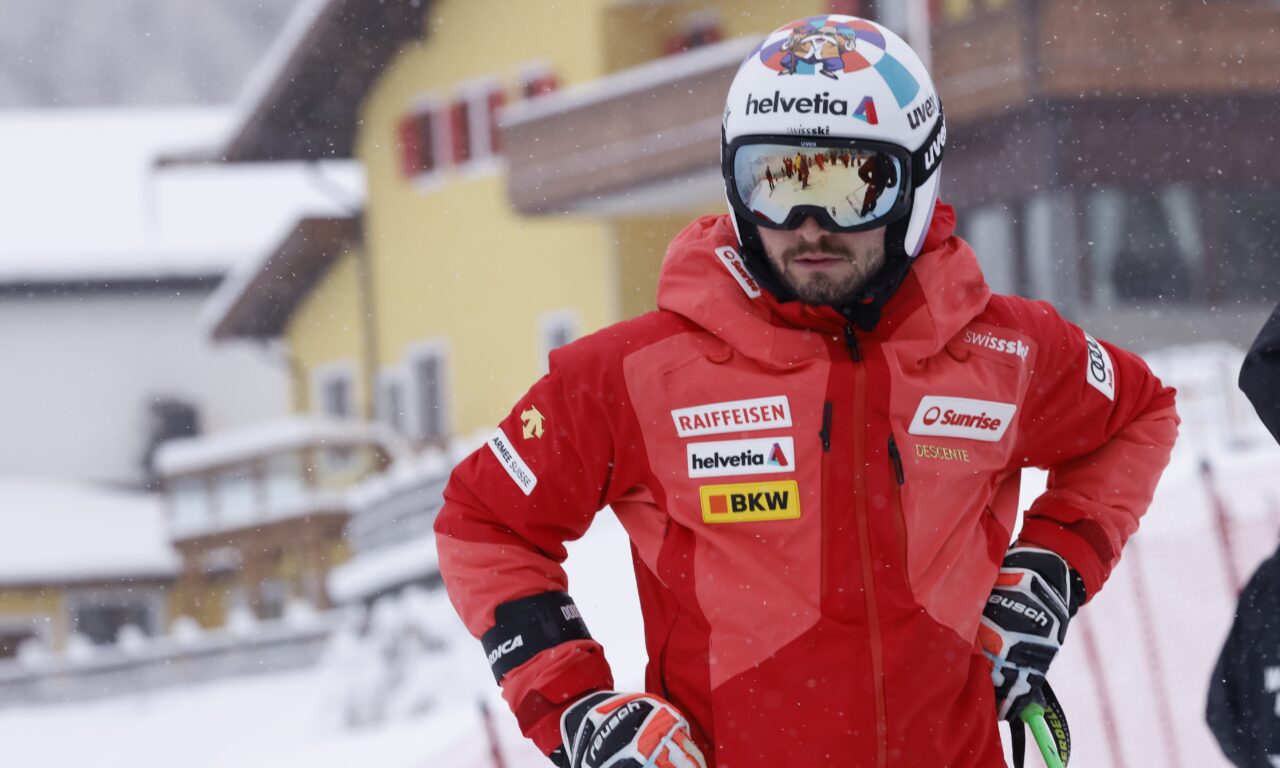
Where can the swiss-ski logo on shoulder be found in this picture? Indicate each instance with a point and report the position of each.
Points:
(995, 343)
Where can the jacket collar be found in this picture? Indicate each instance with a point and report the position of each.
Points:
(704, 280)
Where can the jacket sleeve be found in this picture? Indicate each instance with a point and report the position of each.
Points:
(509, 508)
(1104, 426)
(1260, 374)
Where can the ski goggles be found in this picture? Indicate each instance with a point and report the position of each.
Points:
(845, 185)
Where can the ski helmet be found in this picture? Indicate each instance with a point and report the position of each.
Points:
(850, 95)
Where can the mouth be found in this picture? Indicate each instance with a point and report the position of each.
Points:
(817, 261)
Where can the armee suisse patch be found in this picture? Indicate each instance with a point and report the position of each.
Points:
(511, 461)
(962, 417)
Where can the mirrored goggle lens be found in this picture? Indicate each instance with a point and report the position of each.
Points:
(855, 186)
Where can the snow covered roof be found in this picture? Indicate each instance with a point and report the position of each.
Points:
(258, 298)
(54, 532)
(193, 454)
(300, 102)
(85, 201)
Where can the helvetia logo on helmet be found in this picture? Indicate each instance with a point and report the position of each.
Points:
(818, 104)
(962, 417)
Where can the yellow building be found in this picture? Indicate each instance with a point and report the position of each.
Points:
(484, 240)
(439, 307)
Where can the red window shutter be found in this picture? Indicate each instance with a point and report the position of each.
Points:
(537, 86)
(496, 99)
(460, 130)
(847, 7)
(410, 152)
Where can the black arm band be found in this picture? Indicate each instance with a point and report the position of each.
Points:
(529, 626)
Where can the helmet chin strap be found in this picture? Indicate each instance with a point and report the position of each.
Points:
(864, 310)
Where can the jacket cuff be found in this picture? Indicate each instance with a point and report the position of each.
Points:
(542, 689)
(1081, 556)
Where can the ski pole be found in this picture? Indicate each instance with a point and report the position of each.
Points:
(1033, 716)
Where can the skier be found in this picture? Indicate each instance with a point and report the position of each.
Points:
(1243, 711)
(814, 445)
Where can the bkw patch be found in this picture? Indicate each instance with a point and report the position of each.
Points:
(750, 502)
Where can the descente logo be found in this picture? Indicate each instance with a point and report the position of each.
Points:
(962, 417)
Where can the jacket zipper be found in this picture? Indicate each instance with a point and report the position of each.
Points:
(899, 524)
(864, 541)
(825, 434)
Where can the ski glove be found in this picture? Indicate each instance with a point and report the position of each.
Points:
(625, 730)
(1025, 622)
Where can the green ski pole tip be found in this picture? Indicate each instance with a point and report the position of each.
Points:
(1033, 716)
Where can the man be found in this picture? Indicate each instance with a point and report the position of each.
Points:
(814, 445)
(1244, 694)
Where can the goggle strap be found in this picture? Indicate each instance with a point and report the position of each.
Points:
(925, 160)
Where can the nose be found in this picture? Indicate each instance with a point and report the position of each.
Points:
(810, 229)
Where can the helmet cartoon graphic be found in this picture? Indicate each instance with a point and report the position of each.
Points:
(833, 117)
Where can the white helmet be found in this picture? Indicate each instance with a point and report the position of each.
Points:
(846, 101)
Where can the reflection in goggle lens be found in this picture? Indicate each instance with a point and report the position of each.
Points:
(848, 183)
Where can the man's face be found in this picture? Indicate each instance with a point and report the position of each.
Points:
(824, 267)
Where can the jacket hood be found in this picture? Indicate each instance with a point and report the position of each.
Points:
(704, 279)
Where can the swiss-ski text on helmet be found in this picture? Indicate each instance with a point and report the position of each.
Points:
(818, 104)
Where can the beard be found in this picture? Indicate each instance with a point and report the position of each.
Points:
(820, 288)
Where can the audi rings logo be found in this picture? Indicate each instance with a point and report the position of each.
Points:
(931, 416)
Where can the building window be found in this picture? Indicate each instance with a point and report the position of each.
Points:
(188, 505)
(390, 405)
(556, 329)
(333, 390)
(1143, 245)
(283, 482)
(428, 370)
(237, 496)
(100, 615)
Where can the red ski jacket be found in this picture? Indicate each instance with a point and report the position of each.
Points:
(817, 514)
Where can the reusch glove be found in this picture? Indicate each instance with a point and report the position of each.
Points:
(625, 730)
(1025, 622)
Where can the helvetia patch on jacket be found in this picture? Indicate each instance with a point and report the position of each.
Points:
(741, 457)
(733, 416)
(511, 461)
(962, 417)
(1100, 374)
(750, 502)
